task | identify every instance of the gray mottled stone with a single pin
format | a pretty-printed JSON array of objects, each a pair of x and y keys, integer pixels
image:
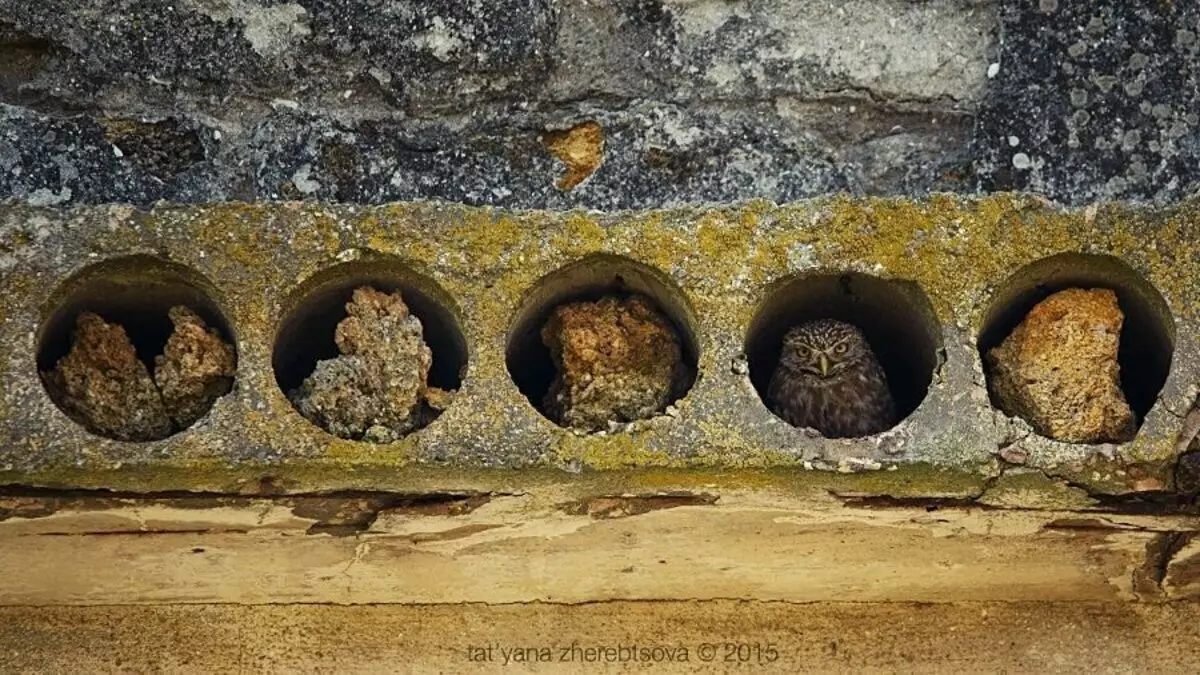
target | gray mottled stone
[
  {"x": 701, "y": 100},
  {"x": 370, "y": 102},
  {"x": 1094, "y": 100}
]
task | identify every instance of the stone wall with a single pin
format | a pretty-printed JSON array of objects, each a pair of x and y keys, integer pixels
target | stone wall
[{"x": 697, "y": 101}]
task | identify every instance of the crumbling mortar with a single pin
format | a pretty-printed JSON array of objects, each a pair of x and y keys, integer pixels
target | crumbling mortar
[
  {"x": 262, "y": 102},
  {"x": 944, "y": 103},
  {"x": 1162, "y": 501},
  {"x": 1148, "y": 504},
  {"x": 990, "y": 482}
]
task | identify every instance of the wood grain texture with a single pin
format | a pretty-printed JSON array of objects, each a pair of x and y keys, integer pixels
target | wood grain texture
[{"x": 544, "y": 547}]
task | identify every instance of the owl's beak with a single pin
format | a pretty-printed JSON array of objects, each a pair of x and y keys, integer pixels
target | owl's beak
[{"x": 824, "y": 366}]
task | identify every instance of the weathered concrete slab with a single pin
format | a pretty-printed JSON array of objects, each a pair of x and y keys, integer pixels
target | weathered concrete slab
[{"x": 924, "y": 275}]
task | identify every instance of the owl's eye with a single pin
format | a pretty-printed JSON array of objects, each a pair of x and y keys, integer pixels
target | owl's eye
[
  {"x": 841, "y": 349},
  {"x": 802, "y": 352}
]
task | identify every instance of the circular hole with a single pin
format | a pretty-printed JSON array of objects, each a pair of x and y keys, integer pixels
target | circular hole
[
  {"x": 591, "y": 279},
  {"x": 306, "y": 337},
  {"x": 895, "y": 317},
  {"x": 135, "y": 397},
  {"x": 1147, "y": 341}
]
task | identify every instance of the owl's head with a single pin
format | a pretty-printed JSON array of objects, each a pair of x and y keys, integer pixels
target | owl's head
[{"x": 825, "y": 349}]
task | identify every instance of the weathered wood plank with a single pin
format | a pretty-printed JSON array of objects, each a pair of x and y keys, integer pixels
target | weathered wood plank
[{"x": 528, "y": 548}]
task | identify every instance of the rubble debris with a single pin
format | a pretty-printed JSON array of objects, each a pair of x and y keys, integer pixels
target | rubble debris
[
  {"x": 194, "y": 370},
  {"x": 617, "y": 360},
  {"x": 102, "y": 385},
  {"x": 1058, "y": 369},
  {"x": 377, "y": 388}
]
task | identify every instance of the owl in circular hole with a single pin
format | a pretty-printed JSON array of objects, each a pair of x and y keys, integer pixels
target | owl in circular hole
[{"x": 828, "y": 379}]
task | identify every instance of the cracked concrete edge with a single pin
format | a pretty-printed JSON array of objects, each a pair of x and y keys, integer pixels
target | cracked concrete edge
[{"x": 715, "y": 265}]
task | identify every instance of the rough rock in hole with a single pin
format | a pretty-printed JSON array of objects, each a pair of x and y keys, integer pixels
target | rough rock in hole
[
  {"x": 376, "y": 390},
  {"x": 102, "y": 385},
  {"x": 1058, "y": 369},
  {"x": 618, "y": 360},
  {"x": 194, "y": 370}
]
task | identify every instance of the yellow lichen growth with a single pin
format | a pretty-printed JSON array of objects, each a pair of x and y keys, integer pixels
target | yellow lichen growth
[
  {"x": 342, "y": 452},
  {"x": 722, "y": 441},
  {"x": 614, "y": 451},
  {"x": 234, "y": 235},
  {"x": 486, "y": 240},
  {"x": 319, "y": 235},
  {"x": 663, "y": 247},
  {"x": 581, "y": 234},
  {"x": 722, "y": 242},
  {"x": 949, "y": 248}
]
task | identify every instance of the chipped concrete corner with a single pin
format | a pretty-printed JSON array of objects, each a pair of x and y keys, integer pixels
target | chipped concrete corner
[{"x": 712, "y": 267}]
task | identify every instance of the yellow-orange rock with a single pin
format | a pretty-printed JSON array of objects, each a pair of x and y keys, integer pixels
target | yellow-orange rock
[
  {"x": 1058, "y": 369},
  {"x": 581, "y": 149},
  {"x": 195, "y": 369},
  {"x": 618, "y": 360},
  {"x": 102, "y": 384}
]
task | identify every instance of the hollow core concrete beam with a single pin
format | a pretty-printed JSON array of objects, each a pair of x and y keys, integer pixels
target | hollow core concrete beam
[{"x": 938, "y": 271}]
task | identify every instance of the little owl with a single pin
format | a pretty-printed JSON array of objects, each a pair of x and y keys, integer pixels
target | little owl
[{"x": 829, "y": 379}]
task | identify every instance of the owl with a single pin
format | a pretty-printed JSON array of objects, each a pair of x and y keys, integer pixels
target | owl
[{"x": 829, "y": 379}]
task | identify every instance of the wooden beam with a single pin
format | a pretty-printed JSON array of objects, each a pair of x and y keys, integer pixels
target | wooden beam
[{"x": 552, "y": 547}]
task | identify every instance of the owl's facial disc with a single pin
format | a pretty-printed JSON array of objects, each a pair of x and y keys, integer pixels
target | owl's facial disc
[
  {"x": 822, "y": 363},
  {"x": 823, "y": 351}
]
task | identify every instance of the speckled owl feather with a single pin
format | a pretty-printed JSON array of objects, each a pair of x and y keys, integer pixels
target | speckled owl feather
[{"x": 829, "y": 379}]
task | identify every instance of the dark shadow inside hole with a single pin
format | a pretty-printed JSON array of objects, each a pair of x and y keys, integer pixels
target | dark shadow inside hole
[
  {"x": 134, "y": 293},
  {"x": 895, "y": 316},
  {"x": 527, "y": 357},
  {"x": 306, "y": 334},
  {"x": 1147, "y": 335}
]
